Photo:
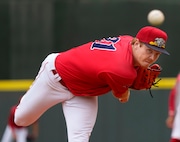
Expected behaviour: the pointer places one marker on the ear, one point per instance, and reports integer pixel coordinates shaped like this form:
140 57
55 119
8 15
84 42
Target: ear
137 43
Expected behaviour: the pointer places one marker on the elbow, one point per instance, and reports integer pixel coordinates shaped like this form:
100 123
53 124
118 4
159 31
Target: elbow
19 120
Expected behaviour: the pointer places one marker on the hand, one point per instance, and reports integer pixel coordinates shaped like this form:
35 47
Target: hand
146 77
13 134
169 121
30 138
125 97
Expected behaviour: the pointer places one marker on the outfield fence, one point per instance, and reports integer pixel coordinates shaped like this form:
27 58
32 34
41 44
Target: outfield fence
24 84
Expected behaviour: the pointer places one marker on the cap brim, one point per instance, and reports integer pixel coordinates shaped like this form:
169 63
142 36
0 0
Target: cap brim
157 49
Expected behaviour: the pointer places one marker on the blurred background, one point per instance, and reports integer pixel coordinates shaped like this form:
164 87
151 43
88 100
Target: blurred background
31 29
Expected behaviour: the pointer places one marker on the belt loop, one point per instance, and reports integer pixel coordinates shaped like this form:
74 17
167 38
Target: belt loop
54 72
60 81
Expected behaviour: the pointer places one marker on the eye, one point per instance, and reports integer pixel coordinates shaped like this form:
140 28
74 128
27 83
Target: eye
149 50
158 54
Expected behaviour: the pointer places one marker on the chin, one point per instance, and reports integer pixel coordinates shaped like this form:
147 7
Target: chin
145 65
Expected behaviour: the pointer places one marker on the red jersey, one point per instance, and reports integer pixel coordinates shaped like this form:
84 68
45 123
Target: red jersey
11 118
98 67
173 97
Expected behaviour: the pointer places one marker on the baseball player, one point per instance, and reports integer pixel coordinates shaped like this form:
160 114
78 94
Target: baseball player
18 133
173 119
78 76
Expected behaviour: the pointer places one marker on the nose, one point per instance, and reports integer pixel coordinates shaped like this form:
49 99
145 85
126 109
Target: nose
153 57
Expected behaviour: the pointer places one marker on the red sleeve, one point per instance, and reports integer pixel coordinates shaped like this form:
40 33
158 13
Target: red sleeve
11 118
172 97
171 103
118 84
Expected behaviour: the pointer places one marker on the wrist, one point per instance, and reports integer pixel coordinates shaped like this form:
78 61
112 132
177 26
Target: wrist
124 97
171 113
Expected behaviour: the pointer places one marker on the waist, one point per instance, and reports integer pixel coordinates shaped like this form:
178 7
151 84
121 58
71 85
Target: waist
60 81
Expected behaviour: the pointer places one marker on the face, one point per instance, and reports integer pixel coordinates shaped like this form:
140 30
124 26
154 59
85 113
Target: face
143 55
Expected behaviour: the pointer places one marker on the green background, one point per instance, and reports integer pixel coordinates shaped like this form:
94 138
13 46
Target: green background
31 29
142 119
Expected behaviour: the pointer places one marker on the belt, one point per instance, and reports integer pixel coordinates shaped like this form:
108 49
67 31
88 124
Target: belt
60 81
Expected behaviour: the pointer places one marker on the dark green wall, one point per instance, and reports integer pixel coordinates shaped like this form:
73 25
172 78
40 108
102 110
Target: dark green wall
142 119
4 41
32 29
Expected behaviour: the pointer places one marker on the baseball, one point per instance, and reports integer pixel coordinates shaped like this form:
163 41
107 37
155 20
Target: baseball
155 17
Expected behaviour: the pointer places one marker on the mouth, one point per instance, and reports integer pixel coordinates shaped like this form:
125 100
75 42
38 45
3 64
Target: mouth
148 62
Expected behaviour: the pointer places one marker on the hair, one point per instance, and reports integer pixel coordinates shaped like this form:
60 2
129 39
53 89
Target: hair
134 40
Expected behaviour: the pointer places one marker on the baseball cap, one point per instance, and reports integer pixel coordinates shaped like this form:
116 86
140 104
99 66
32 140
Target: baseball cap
153 38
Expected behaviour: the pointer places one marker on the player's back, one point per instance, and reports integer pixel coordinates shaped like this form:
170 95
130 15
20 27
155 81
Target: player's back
83 64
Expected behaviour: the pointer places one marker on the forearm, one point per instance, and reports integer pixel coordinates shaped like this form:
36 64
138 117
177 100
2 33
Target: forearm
35 129
13 132
125 96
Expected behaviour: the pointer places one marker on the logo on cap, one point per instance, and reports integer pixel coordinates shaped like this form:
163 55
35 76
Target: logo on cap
159 42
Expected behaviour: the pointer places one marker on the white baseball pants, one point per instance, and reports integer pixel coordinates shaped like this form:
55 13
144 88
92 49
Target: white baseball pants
176 124
21 134
46 91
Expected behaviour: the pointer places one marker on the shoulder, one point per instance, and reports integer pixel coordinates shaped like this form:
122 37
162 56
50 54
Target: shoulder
124 41
126 37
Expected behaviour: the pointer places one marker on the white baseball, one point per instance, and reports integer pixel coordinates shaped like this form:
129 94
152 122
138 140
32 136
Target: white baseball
155 17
